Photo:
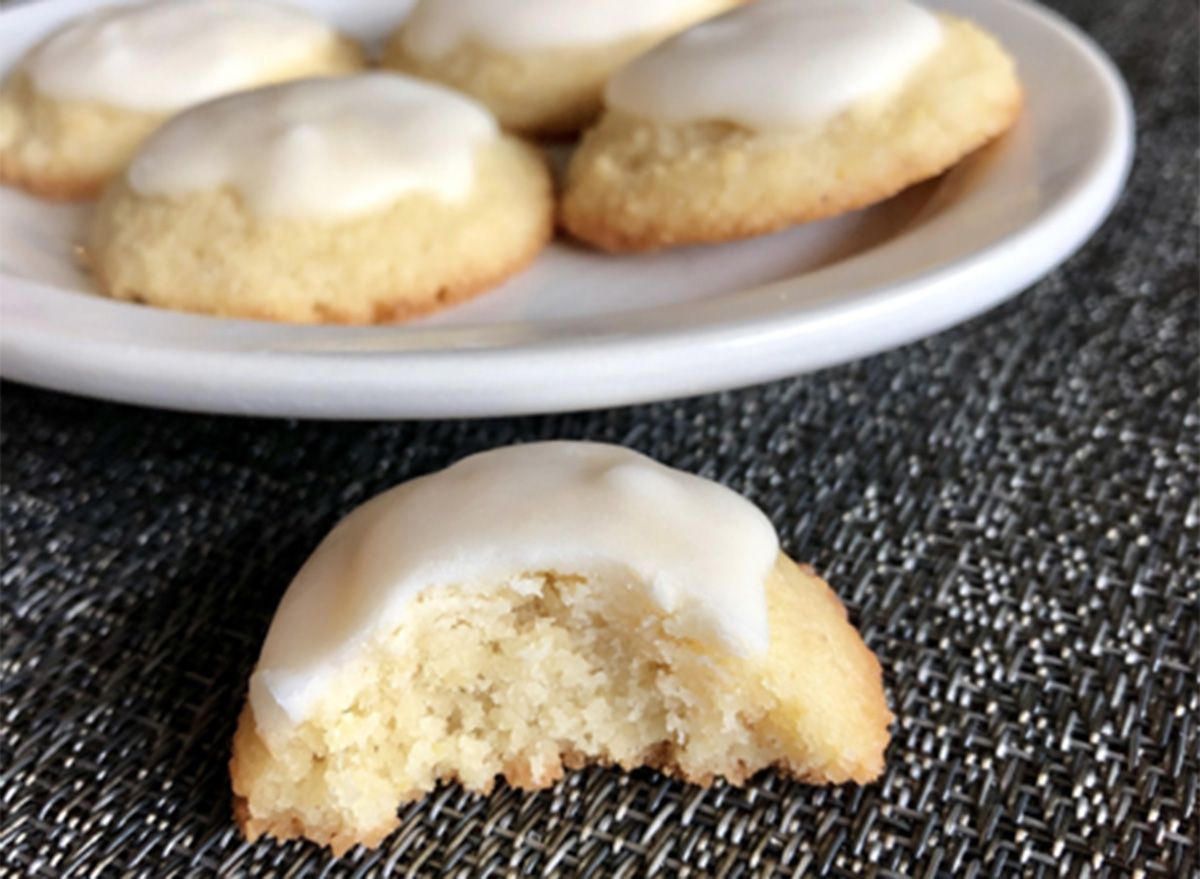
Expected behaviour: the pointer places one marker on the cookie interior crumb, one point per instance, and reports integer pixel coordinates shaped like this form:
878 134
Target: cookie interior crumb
523 678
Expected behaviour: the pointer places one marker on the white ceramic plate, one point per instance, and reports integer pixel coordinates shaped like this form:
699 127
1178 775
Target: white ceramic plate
581 329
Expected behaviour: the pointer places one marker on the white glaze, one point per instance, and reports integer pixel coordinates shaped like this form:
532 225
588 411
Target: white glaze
321 148
703 551
165 55
778 63
435 27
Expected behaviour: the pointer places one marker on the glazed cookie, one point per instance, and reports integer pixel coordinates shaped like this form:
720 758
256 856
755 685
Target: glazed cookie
782 112
352 199
540 65
538 608
77 105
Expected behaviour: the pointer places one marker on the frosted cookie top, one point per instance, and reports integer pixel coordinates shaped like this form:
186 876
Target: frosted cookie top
435 27
703 551
778 63
161 56
321 148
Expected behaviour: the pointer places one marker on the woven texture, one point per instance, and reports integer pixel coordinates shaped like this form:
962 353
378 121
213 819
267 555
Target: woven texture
1009 509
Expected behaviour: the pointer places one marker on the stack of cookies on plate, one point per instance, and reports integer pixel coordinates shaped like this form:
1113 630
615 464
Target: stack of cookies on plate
250 164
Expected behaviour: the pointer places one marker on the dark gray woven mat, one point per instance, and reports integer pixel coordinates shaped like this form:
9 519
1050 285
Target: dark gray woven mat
1010 509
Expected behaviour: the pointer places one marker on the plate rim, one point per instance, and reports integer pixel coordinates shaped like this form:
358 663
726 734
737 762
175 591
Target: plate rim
613 367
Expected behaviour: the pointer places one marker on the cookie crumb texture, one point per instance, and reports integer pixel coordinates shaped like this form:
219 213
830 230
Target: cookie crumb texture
528 678
636 184
207 253
69 149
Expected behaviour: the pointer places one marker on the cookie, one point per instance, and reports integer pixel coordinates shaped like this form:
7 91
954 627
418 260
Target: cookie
539 65
534 609
77 105
781 113
356 199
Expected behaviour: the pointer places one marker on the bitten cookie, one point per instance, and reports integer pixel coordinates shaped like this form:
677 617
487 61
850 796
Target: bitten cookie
538 608
784 112
77 105
539 65
353 199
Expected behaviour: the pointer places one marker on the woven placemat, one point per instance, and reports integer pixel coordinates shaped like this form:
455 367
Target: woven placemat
1009 509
